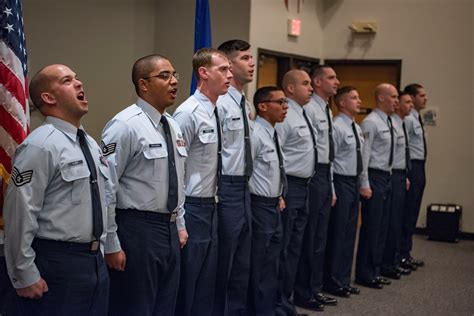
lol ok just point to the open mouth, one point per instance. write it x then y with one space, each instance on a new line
173 92
81 96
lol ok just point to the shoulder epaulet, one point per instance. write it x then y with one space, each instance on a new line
128 113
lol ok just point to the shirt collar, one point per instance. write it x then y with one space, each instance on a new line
415 113
67 128
380 113
150 111
268 127
319 101
205 102
235 94
295 106
346 118
397 118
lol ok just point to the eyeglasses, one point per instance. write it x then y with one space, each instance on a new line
166 76
279 101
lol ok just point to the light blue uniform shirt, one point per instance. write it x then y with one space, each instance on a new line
134 144
232 123
196 118
296 142
49 196
345 145
376 151
415 135
316 110
265 179
400 145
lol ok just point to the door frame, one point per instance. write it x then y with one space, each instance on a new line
377 62
288 63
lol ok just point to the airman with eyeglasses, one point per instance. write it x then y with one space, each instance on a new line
145 148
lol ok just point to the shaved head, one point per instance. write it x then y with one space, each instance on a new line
297 86
291 77
383 88
41 82
386 97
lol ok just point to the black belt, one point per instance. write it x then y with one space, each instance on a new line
265 199
234 179
420 161
92 247
343 176
200 200
154 216
399 171
323 169
379 171
298 179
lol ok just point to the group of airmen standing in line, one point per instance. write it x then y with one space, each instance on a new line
210 211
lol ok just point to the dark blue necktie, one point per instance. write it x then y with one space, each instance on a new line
172 175
97 221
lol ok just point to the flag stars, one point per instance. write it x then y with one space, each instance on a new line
8 11
9 27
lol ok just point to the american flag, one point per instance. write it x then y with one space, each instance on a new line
14 110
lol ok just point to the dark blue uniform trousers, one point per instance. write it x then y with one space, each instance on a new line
198 258
373 230
234 234
342 232
294 218
267 235
309 278
7 293
412 205
391 256
77 280
149 284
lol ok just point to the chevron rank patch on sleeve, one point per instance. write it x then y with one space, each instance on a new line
21 178
108 149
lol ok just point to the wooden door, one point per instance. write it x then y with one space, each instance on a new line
272 66
365 75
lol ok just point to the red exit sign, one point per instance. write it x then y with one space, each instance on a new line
294 27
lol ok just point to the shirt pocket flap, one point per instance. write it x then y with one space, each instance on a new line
182 151
74 170
234 123
270 156
208 135
385 134
350 139
303 131
104 171
418 130
323 125
155 151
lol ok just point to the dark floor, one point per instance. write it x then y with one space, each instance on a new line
444 286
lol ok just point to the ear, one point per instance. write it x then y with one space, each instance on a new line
317 82
142 85
203 73
291 88
262 107
48 98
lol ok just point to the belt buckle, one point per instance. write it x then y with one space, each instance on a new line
94 246
173 217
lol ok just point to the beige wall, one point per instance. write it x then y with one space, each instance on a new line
100 44
100 39
175 33
434 40
268 28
